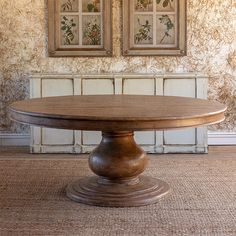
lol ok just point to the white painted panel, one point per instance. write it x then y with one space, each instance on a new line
35 135
202 88
77 86
98 86
78 134
57 137
118 85
183 88
57 87
186 136
91 137
180 149
177 137
57 149
146 148
95 87
145 138
159 86
159 138
35 88
139 86
180 87
35 92
202 139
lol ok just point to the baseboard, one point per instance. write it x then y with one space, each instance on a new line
14 139
221 138
214 138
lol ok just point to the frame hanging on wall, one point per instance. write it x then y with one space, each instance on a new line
154 27
80 27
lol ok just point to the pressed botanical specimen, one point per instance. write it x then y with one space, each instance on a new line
165 20
68 6
143 32
93 7
143 4
92 33
165 3
67 26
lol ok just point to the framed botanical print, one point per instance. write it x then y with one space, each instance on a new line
80 28
154 27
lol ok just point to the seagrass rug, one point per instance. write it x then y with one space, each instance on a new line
202 200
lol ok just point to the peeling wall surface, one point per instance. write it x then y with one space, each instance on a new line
211 50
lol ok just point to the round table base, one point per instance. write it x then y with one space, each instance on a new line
101 192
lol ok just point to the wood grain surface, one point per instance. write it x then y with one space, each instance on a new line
117 112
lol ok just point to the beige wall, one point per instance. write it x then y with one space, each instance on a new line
211 50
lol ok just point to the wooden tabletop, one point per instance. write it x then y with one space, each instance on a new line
117 112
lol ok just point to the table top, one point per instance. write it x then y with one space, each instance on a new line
117 112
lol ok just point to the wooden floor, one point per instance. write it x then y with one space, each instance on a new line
24 152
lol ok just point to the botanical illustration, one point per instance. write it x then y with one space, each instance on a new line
165 5
80 28
69 5
143 30
165 30
144 5
91 30
69 30
92 5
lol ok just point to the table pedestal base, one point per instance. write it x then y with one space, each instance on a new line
93 191
118 162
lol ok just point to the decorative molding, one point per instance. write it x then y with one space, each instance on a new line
214 138
221 138
14 139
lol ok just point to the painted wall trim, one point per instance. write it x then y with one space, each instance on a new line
14 139
214 138
221 138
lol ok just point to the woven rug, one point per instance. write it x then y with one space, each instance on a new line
202 201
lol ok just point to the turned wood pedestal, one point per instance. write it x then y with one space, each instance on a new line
118 161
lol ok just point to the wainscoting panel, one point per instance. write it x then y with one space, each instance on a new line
180 141
51 88
184 88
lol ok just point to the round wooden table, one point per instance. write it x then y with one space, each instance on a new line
118 161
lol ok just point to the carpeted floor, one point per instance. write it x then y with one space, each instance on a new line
202 201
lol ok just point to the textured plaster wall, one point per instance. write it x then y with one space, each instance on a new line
211 50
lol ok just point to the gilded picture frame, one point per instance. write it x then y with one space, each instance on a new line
154 28
79 28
